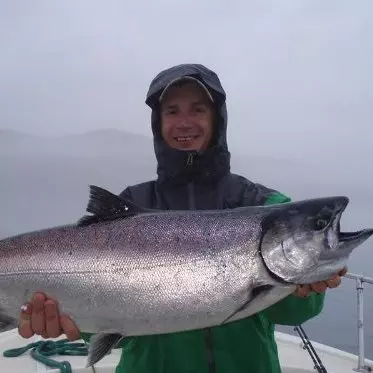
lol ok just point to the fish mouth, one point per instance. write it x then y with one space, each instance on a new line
304 243
348 240
351 236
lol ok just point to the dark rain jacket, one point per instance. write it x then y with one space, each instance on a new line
191 180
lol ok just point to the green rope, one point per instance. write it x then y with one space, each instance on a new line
41 349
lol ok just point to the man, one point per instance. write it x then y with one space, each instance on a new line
189 123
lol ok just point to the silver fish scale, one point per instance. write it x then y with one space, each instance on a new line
147 240
145 274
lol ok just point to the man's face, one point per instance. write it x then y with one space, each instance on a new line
187 117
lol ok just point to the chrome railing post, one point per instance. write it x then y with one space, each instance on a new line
360 324
360 319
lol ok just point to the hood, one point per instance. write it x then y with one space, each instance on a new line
181 166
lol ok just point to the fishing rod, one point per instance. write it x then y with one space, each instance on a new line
307 345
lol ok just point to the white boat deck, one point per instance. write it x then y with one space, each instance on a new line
295 359
292 356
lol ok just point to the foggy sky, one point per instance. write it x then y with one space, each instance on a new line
291 68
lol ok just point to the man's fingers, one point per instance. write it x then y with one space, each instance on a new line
38 314
52 320
69 328
319 287
334 282
343 272
24 326
303 291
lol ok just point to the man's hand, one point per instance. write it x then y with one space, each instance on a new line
319 287
41 316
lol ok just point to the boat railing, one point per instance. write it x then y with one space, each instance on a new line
307 344
360 281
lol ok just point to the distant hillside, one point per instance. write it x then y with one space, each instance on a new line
95 143
7 133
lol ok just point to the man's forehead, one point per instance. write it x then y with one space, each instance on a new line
175 103
190 90
186 82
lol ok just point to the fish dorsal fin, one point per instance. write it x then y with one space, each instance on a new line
105 205
88 220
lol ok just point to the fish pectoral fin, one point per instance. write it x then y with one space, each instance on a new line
239 309
105 205
256 292
100 345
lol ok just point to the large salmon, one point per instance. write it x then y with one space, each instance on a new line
126 271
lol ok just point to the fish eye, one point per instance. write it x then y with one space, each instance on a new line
320 223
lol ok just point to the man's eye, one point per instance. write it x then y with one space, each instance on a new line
170 112
200 109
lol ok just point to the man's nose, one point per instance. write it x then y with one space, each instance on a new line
185 121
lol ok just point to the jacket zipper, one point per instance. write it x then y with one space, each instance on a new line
191 196
190 159
208 332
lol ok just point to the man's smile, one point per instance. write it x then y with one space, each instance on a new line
185 138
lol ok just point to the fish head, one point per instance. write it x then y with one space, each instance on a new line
302 242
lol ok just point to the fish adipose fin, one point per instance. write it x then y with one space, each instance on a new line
105 205
100 345
259 290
